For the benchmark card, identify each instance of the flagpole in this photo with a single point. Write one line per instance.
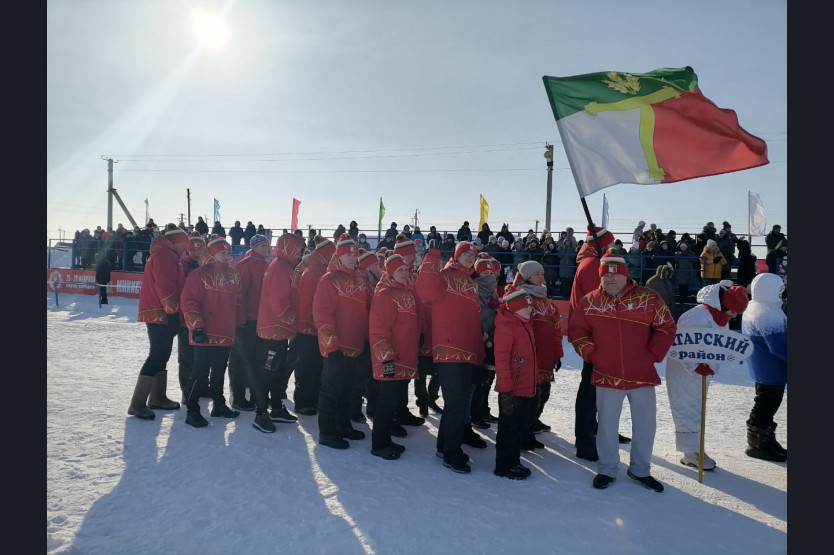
(591, 226)
(749, 229)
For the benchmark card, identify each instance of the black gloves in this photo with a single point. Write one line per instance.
(506, 403)
(388, 369)
(717, 258)
(199, 336)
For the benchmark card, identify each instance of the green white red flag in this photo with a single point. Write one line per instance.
(646, 128)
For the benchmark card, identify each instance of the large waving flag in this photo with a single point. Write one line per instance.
(757, 219)
(646, 128)
(294, 218)
(216, 210)
(484, 214)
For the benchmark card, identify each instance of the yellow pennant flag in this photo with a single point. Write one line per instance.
(484, 214)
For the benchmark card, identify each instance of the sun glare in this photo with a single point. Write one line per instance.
(211, 30)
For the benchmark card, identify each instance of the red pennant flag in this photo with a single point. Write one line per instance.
(294, 220)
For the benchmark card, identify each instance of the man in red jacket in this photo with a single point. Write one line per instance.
(585, 281)
(159, 308)
(308, 364)
(457, 342)
(623, 329)
(340, 309)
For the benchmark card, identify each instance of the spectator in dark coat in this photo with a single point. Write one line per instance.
(218, 229)
(236, 233)
(506, 234)
(249, 232)
(102, 276)
(201, 226)
(746, 263)
(774, 257)
(464, 233)
(485, 233)
(772, 239)
(687, 268)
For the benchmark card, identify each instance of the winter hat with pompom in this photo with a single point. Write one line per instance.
(394, 261)
(516, 298)
(175, 234)
(217, 245)
(612, 262)
(257, 240)
(604, 236)
(346, 245)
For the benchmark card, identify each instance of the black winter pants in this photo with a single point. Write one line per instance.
(185, 357)
(585, 423)
(515, 414)
(207, 361)
(334, 394)
(767, 401)
(271, 369)
(455, 385)
(308, 371)
(388, 400)
(242, 357)
(161, 339)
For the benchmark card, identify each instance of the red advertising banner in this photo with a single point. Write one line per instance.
(83, 282)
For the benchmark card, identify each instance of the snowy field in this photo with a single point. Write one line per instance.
(117, 484)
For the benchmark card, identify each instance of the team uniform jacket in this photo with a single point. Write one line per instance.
(624, 337)
(515, 355)
(162, 284)
(277, 308)
(547, 328)
(587, 274)
(316, 266)
(210, 301)
(251, 269)
(394, 330)
(456, 310)
(340, 310)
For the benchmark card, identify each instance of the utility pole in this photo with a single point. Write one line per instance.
(188, 198)
(548, 155)
(111, 193)
(416, 211)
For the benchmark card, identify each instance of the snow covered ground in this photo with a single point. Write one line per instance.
(117, 484)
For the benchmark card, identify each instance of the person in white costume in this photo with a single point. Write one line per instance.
(718, 304)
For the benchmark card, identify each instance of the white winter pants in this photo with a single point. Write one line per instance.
(643, 406)
(684, 389)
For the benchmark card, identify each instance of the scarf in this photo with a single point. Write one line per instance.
(720, 318)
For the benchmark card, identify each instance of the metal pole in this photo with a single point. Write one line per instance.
(109, 193)
(188, 197)
(548, 154)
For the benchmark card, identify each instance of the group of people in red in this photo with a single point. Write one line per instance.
(353, 323)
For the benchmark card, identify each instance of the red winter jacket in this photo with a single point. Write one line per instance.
(162, 283)
(251, 269)
(277, 308)
(456, 310)
(587, 274)
(515, 355)
(622, 337)
(394, 330)
(210, 301)
(340, 310)
(307, 284)
(547, 327)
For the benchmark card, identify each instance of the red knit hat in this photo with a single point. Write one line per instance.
(392, 262)
(324, 246)
(346, 245)
(735, 298)
(604, 236)
(465, 246)
(196, 240)
(367, 259)
(486, 263)
(404, 246)
(612, 263)
(381, 254)
(516, 298)
(218, 245)
(175, 234)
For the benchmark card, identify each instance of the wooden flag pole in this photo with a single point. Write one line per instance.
(703, 428)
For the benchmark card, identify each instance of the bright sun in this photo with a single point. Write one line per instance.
(211, 30)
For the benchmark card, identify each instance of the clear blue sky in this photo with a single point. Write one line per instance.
(426, 104)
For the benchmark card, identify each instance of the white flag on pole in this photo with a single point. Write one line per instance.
(758, 219)
(147, 215)
(604, 211)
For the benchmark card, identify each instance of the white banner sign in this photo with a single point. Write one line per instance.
(710, 345)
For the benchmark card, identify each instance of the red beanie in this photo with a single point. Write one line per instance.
(404, 246)
(612, 263)
(367, 259)
(516, 298)
(218, 245)
(324, 246)
(735, 298)
(392, 262)
(604, 236)
(465, 246)
(346, 245)
(196, 241)
(175, 234)
(486, 263)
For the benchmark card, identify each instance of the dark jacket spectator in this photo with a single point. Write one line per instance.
(772, 239)
(236, 233)
(201, 226)
(464, 233)
(218, 229)
(485, 233)
(249, 232)
(746, 263)
(506, 234)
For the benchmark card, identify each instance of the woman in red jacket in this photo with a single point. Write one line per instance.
(209, 304)
(394, 336)
(516, 380)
